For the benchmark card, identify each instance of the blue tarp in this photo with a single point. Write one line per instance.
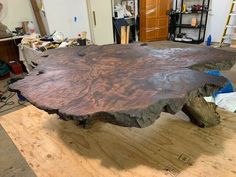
(228, 88)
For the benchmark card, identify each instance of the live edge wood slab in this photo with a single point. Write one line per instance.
(126, 85)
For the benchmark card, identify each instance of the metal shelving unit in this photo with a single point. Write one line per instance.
(200, 28)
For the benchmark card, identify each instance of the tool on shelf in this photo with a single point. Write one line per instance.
(227, 26)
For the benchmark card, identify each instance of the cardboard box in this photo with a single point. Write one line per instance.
(233, 44)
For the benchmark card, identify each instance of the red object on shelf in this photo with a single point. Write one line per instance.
(16, 67)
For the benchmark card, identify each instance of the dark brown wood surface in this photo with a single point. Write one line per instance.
(9, 50)
(127, 85)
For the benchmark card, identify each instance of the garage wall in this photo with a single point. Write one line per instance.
(67, 16)
(18, 11)
(217, 18)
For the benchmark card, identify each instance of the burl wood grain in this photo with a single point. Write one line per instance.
(127, 85)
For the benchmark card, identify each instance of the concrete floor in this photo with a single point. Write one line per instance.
(10, 156)
(12, 163)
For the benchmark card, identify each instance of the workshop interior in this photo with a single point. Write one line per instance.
(128, 88)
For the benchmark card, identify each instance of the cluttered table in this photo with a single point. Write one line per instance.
(32, 45)
(22, 48)
(12, 38)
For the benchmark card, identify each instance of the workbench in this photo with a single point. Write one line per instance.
(169, 147)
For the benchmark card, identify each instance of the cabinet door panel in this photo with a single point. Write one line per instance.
(154, 19)
(151, 9)
(162, 28)
(157, 29)
(163, 8)
(151, 29)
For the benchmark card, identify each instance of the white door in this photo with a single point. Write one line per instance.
(101, 21)
(217, 18)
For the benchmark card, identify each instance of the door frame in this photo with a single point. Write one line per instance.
(90, 16)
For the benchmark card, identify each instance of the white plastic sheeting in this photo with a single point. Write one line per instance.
(226, 101)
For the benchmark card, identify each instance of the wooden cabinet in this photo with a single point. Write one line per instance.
(9, 49)
(154, 19)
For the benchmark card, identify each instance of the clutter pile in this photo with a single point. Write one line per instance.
(183, 37)
(33, 45)
(56, 40)
(124, 10)
(4, 32)
(196, 8)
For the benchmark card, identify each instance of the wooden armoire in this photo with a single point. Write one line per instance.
(154, 19)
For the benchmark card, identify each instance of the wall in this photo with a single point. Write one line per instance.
(18, 11)
(217, 18)
(61, 16)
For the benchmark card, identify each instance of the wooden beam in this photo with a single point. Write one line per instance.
(123, 35)
(38, 17)
(127, 34)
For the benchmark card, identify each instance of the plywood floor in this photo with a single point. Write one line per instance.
(170, 147)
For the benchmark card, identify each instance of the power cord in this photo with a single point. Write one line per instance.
(4, 100)
(5, 97)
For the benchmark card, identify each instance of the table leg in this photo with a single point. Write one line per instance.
(201, 112)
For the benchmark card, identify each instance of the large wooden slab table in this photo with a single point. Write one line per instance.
(127, 85)
(170, 147)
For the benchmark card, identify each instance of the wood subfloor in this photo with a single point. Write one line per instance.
(170, 147)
